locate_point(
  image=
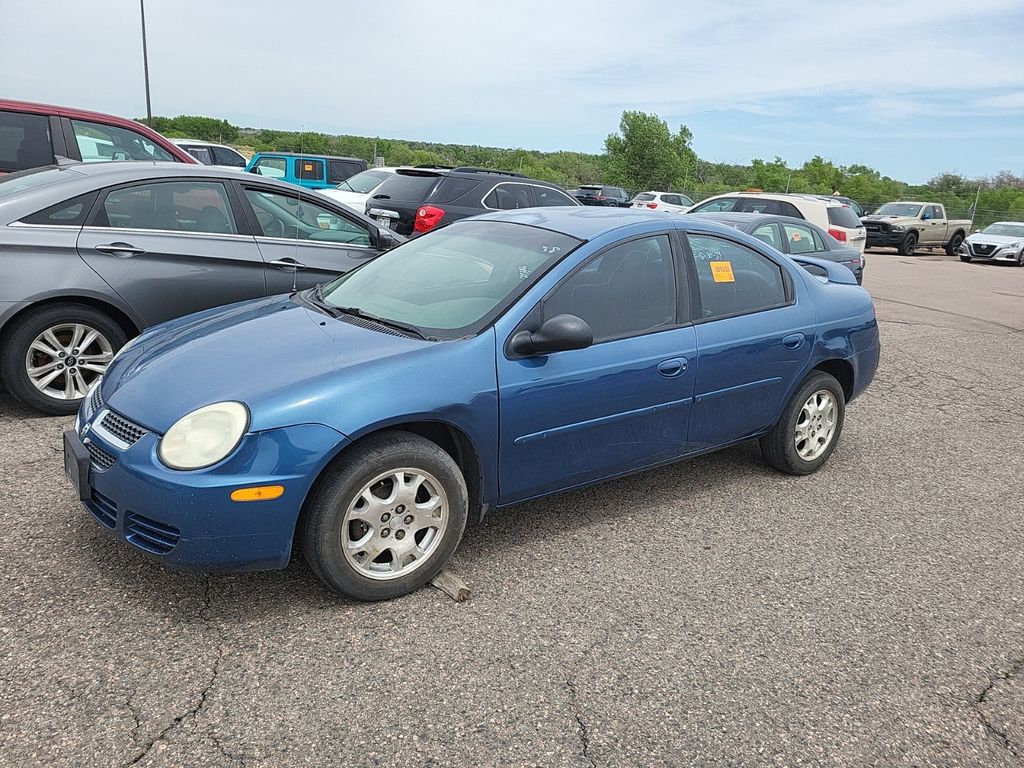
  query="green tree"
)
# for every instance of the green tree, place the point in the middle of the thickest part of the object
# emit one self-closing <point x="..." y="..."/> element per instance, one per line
<point x="644" y="154"/>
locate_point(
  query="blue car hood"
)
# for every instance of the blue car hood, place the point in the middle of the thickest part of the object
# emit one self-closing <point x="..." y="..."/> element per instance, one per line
<point x="270" y="354"/>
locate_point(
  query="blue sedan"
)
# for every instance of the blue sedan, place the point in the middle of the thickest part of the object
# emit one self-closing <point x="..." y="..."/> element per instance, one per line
<point x="502" y="358"/>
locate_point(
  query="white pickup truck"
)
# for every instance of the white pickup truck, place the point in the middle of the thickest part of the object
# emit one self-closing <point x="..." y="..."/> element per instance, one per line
<point x="907" y="226"/>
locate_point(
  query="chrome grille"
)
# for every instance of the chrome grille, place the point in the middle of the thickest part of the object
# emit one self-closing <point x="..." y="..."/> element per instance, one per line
<point x="121" y="428"/>
<point x="146" y="533"/>
<point x="983" y="249"/>
<point x="101" y="460"/>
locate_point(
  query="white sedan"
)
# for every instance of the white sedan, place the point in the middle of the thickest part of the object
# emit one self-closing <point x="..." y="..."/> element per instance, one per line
<point x="355" y="190"/>
<point x="669" y="202"/>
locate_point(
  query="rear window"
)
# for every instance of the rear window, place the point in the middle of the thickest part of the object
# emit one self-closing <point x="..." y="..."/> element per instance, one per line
<point x="643" y="197"/>
<point x="24" y="141"/>
<point x="588" y="191"/>
<point x="841" y="216"/>
<point x="407" y="187"/>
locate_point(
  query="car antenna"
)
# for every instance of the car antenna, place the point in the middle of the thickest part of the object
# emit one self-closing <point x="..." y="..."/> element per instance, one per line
<point x="298" y="212"/>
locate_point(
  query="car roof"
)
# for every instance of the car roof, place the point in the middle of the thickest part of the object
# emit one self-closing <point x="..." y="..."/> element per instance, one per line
<point x="198" y="143"/>
<point x="309" y="155"/>
<point x="734" y="218"/>
<point x="582" y="222"/>
<point x="56" y="109"/>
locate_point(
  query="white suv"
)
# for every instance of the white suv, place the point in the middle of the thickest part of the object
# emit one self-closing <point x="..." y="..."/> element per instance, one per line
<point x="208" y="153"/>
<point x="670" y="202"/>
<point x="839" y="220"/>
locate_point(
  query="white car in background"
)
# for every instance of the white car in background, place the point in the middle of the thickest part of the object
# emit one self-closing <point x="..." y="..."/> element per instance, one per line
<point x="837" y="219"/>
<point x="355" y="190"/>
<point x="669" y="202"/>
<point x="1001" y="241"/>
<point x="208" y="153"/>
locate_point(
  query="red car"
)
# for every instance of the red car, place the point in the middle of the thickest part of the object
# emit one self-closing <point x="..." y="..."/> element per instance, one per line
<point x="32" y="135"/>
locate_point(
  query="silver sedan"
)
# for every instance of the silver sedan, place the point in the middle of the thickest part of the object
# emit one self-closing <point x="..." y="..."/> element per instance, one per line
<point x="1002" y="241"/>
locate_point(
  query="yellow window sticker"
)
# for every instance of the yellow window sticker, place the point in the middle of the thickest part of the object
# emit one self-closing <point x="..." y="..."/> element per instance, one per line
<point x="721" y="272"/>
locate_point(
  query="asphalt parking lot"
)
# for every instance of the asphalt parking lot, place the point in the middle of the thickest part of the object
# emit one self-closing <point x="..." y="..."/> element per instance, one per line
<point x="711" y="613"/>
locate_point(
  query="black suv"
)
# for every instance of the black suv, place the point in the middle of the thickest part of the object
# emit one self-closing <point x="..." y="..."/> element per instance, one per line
<point x="417" y="200"/>
<point x="596" y="194"/>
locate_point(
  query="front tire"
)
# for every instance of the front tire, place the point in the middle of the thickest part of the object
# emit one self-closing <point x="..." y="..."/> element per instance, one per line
<point x="55" y="353"/>
<point x="386" y="518"/>
<point x="954" y="245"/>
<point x="908" y="245"/>
<point x="809" y="428"/>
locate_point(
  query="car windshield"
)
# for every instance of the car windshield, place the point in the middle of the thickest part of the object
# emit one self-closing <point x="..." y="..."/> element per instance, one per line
<point x="899" y="209"/>
<point x="364" y="182"/>
<point x="34" y="177"/>
<point x="452" y="282"/>
<point x="1005" y="229"/>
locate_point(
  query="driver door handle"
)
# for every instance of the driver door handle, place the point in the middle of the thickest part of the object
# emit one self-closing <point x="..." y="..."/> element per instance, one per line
<point x="123" y="250"/>
<point x="287" y="264"/>
<point x="793" y="341"/>
<point x="672" y="367"/>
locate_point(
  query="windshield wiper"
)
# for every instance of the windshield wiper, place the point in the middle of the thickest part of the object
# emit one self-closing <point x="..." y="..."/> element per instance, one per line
<point x="357" y="312"/>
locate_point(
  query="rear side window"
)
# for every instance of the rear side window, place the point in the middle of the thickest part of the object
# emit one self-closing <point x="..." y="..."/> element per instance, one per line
<point x="734" y="279"/>
<point x="406" y="187"/>
<point x="507" y="197"/>
<point x="841" y="216"/>
<point x="24" y="141"/>
<point x="452" y="188"/>
<point x="202" y="154"/>
<point x="99" y="143"/>
<point x="800" y="239"/>
<point x="225" y="156"/>
<point x="175" y="206"/>
<point x="70" y="213"/>
<point x="716" y="206"/>
<point x="788" y="209"/>
<point x="309" y="170"/>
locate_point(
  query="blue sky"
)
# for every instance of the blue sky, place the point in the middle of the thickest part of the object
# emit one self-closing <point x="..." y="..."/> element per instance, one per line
<point x="910" y="88"/>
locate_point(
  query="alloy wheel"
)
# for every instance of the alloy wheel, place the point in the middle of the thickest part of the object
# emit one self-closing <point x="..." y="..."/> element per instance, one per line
<point x="63" y="361"/>
<point x="395" y="523"/>
<point x="816" y="425"/>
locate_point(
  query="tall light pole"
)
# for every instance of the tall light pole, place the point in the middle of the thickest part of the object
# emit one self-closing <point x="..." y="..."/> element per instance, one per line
<point x="145" y="64"/>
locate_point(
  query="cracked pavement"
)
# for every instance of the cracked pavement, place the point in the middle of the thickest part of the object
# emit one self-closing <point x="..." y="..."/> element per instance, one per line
<point x="709" y="613"/>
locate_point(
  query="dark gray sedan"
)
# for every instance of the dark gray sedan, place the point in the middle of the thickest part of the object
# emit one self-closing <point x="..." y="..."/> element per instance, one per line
<point x="793" y="236"/>
<point x="91" y="254"/>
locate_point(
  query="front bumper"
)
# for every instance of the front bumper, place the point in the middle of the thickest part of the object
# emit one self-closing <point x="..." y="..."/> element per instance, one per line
<point x="992" y="253"/>
<point x="187" y="519"/>
<point x="885" y="239"/>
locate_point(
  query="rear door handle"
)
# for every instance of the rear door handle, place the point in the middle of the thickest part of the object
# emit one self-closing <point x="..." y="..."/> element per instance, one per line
<point x="123" y="250"/>
<point x="793" y="341"/>
<point x="287" y="264"/>
<point x="672" y="367"/>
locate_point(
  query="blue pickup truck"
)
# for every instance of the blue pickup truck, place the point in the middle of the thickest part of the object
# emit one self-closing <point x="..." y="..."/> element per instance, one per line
<point x="310" y="171"/>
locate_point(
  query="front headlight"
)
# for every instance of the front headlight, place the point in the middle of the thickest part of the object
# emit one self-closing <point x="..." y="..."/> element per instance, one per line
<point x="898" y="228"/>
<point x="205" y="436"/>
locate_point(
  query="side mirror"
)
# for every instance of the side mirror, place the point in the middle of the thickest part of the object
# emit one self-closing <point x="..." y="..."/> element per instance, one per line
<point x="556" y="334"/>
<point x="386" y="238"/>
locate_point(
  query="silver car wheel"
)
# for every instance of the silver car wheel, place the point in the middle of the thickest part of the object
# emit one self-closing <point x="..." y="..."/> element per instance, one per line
<point x="395" y="523"/>
<point x="63" y="361"/>
<point x="816" y="425"/>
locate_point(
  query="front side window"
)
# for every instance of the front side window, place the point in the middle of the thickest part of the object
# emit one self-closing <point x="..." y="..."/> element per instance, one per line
<point x="937" y="212"/>
<point x="24" y="141"/>
<point x="171" y="206"/>
<point x="454" y="281"/>
<point x="627" y="290"/>
<point x="734" y="279"/>
<point x="100" y="143"/>
<point x="271" y="167"/>
<point x="309" y="170"/>
<point x="297" y="218"/>
<point x="551" y="197"/>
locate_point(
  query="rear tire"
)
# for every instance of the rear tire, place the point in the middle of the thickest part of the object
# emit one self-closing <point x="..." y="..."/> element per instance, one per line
<point x="385" y="519"/>
<point x="43" y="340"/>
<point x="954" y="245"/>
<point x="809" y="428"/>
<point x="908" y="245"/>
